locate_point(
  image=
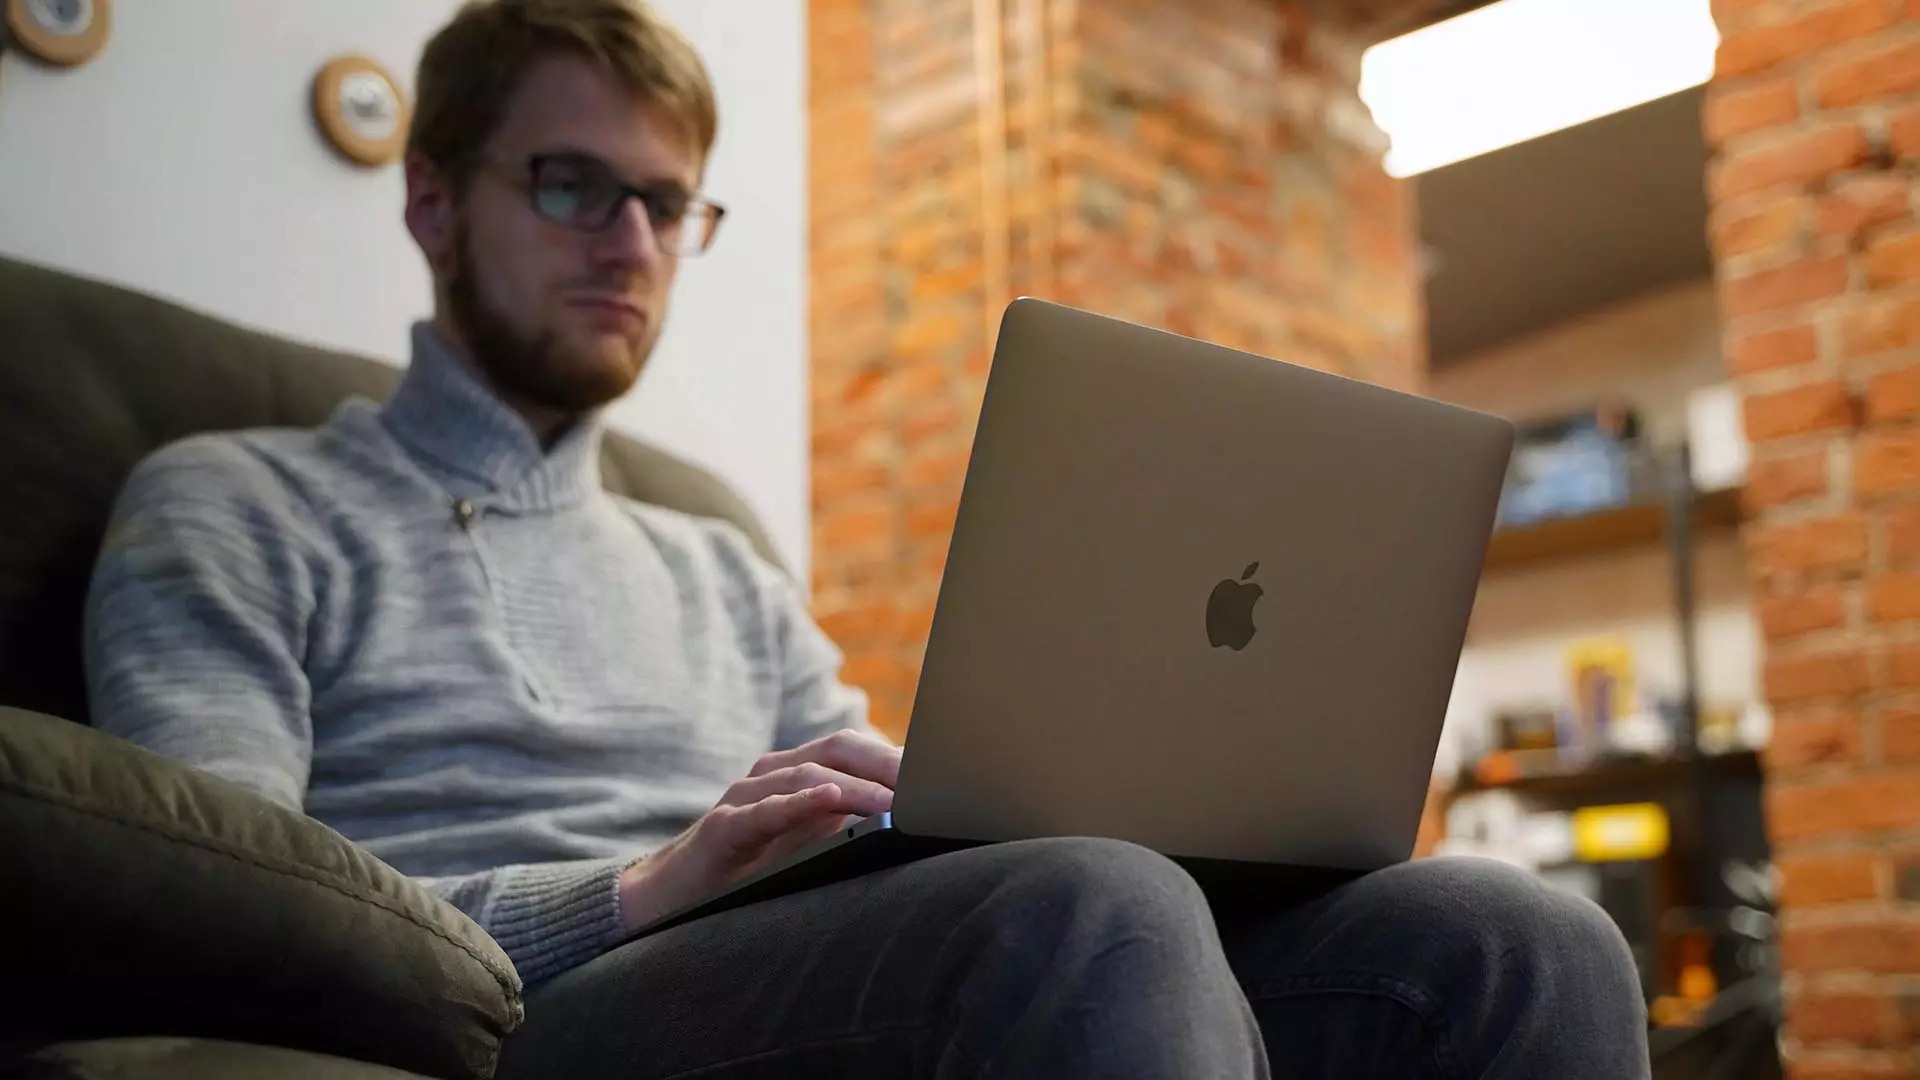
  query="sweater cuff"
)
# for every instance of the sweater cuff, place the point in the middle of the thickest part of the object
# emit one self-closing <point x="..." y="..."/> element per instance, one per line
<point x="554" y="916"/>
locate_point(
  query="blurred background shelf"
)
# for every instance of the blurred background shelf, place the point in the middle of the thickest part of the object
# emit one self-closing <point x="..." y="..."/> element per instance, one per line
<point x="1606" y="779"/>
<point x="1618" y="529"/>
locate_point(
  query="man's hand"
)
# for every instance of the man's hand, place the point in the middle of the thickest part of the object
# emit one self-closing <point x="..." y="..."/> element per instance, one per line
<point x="792" y="798"/>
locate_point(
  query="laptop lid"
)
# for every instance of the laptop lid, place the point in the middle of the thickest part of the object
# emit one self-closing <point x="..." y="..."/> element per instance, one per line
<point x="1197" y="599"/>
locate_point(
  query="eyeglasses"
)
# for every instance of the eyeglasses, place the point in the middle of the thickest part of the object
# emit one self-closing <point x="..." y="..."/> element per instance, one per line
<point x="582" y="192"/>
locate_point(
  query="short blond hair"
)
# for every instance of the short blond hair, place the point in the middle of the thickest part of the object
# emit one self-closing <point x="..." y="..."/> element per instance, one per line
<point x="470" y="69"/>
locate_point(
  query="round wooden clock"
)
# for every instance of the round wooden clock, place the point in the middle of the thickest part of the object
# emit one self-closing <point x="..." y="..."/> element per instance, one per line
<point x="63" y="32"/>
<point x="361" y="110"/>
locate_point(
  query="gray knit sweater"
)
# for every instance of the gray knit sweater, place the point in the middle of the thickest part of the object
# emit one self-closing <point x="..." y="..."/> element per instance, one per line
<point x="453" y="648"/>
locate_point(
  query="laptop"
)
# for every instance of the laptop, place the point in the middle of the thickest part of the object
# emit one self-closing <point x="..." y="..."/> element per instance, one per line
<point x="1196" y="599"/>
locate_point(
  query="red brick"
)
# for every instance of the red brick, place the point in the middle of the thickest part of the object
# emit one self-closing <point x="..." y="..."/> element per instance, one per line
<point x="925" y="420"/>
<point x="1795" y="283"/>
<point x="846" y="312"/>
<point x="878" y="670"/>
<point x="1857" y="804"/>
<point x="1790" y="615"/>
<point x="939" y="471"/>
<point x="1851" y="1067"/>
<point x="925" y="336"/>
<point x="1803" y="410"/>
<point x="1884" y="325"/>
<point x="1779" y="480"/>
<point x="948" y="283"/>
<point x="916" y="377"/>
<point x="1859" y="203"/>
<point x="1900" y="734"/>
<point x="1816" y="880"/>
<point x="1821" y="739"/>
<point x="1771" y="349"/>
<point x="1858" y="1019"/>
<point x="1901" y="667"/>
<point x="1731" y="112"/>
<point x="1893" y="395"/>
<point x="835" y="437"/>
<point x="1902" y="532"/>
<point x="1886" y="462"/>
<point x="1893" y="598"/>
<point x="855" y="626"/>
<point x="915" y="623"/>
<point x="930" y="556"/>
<point x="1746" y="52"/>
<point x="935" y="519"/>
<point x="1797" y="161"/>
<point x="1875" y="76"/>
<point x="1891" y="260"/>
<point x="1761" y="48"/>
<point x="1729" y="13"/>
<point x="1835" y="543"/>
<point x="1903" y="132"/>
<point x="889" y="711"/>
<point x="1884" y="947"/>
<point x="1906" y="877"/>
<point x="853" y="528"/>
<point x="1790" y="679"/>
<point x="1771" y="225"/>
<point x="851" y="479"/>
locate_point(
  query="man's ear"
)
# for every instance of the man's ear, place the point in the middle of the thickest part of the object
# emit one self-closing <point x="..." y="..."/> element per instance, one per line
<point x="431" y="211"/>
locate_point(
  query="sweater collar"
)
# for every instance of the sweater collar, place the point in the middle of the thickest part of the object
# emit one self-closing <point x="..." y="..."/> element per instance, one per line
<point x="455" y="428"/>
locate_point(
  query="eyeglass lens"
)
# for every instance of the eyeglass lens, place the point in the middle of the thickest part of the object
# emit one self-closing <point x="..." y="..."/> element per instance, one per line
<point x="583" y="193"/>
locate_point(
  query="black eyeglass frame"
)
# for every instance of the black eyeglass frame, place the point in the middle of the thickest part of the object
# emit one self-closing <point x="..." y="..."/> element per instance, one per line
<point x="531" y="166"/>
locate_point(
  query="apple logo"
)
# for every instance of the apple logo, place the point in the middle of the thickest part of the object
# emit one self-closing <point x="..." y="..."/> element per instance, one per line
<point x="1230" y="611"/>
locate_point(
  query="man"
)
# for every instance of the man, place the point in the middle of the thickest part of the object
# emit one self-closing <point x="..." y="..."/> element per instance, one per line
<point x="425" y="625"/>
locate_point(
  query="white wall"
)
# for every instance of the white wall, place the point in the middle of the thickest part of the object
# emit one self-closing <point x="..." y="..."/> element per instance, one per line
<point x="183" y="161"/>
<point x="1652" y="351"/>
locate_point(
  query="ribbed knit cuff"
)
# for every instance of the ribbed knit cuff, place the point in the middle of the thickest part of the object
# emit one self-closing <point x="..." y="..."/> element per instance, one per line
<point x="554" y="916"/>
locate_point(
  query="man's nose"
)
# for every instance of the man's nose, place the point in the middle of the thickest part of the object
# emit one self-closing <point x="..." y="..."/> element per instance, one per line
<point x="629" y="239"/>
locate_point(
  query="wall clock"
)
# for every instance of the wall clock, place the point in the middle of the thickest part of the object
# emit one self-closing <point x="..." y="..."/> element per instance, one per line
<point x="63" y="32"/>
<point x="361" y="110"/>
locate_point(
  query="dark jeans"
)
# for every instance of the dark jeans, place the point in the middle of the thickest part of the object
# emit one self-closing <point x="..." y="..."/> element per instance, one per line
<point x="1082" y="958"/>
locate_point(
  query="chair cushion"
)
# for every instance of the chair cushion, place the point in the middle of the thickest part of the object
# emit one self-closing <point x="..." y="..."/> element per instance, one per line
<point x="93" y="377"/>
<point x="141" y="895"/>
<point x="162" y="1058"/>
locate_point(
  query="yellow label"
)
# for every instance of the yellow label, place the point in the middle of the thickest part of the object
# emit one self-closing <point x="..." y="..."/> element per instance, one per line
<point x="1632" y="832"/>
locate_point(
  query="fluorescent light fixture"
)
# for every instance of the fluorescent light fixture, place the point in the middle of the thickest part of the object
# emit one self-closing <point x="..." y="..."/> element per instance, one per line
<point x="1518" y="69"/>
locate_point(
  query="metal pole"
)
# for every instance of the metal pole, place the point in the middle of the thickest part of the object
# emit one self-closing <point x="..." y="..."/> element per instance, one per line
<point x="1710" y="848"/>
<point x="1680" y="557"/>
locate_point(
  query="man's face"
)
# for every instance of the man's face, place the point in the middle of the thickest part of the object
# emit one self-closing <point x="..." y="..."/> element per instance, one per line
<point x="558" y="317"/>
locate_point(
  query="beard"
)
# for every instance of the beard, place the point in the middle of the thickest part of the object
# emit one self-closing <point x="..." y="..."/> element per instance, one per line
<point x="535" y="369"/>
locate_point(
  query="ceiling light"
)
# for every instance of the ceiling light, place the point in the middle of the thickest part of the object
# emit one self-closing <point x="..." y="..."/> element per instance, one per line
<point x="1519" y="69"/>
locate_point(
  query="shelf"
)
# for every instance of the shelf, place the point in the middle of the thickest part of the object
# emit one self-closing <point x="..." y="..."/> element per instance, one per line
<point x="1611" y="776"/>
<point x="1618" y="529"/>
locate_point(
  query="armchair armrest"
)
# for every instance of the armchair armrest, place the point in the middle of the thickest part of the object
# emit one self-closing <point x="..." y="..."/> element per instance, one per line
<point x="141" y="896"/>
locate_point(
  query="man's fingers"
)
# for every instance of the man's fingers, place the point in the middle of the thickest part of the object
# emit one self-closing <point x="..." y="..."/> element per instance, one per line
<point x="745" y="831"/>
<point x="860" y="796"/>
<point x="741" y="834"/>
<point x="867" y="757"/>
<point x="795" y="797"/>
<point x="803" y="835"/>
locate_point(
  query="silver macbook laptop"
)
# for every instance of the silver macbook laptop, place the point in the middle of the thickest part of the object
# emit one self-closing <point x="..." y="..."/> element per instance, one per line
<point x="1196" y="599"/>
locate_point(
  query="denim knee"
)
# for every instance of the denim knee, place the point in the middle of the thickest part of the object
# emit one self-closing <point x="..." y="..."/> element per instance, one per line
<point x="1513" y="930"/>
<point x="1089" y="884"/>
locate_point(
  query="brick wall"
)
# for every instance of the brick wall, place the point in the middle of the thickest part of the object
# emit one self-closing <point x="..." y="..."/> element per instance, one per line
<point x="1204" y="166"/>
<point x="1229" y="186"/>
<point x="899" y="284"/>
<point x="1815" y="116"/>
